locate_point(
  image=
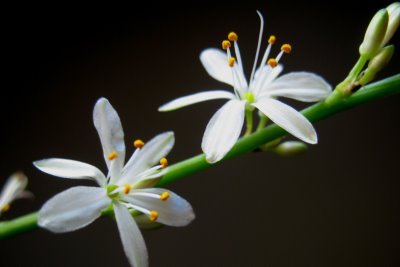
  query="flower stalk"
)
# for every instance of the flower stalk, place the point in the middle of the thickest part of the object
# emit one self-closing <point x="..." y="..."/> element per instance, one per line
<point x="180" y="170"/>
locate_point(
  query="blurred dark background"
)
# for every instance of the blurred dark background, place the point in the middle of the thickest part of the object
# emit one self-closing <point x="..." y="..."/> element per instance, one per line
<point x="337" y="205"/>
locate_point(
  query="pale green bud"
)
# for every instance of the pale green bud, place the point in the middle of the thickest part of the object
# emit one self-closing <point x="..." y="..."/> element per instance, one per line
<point x="375" y="34"/>
<point x="377" y="63"/>
<point x="290" y="148"/>
<point x="394" y="21"/>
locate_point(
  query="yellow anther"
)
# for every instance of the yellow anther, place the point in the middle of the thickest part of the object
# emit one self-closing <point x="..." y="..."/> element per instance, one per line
<point x="287" y="48"/>
<point x="112" y="155"/>
<point x="226" y="44"/>
<point x="164" y="162"/>
<point x="272" y="62"/>
<point x="138" y="143"/>
<point x="164" y="196"/>
<point x="6" y="207"/>
<point x="127" y="188"/>
<point x="153" y="215"/>
<point x="232" y="36"/>
<point x="272" y="39"/>
<point x="231" y="62"/>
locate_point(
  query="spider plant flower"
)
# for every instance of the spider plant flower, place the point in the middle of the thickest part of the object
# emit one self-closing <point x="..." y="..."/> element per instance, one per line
<point x="259" y="92"/>
<point x="125" y="187"/>
<point x="12" y="190"/>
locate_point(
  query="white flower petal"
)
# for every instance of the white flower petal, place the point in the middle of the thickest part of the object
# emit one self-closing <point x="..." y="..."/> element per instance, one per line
<point x="132" y="240"/>
<point x="263" y="79"/>
<point x="174" y="211"/>
<point x="73" y="209"/>
<point x="14" y="187"/>
<point x="223" y="130"/>
<point x="288" y="118"/>
<point x="215" y="62"/>
<point x="71" y="169"/>
<point x="195" y="98"/>
<point x="303" y="86"/>
<point x="109" y="128"/>
<point x="147" y="157"/>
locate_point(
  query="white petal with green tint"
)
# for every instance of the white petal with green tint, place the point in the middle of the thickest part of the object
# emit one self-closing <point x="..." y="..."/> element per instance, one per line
<point x="288" y="118"/>
<point x="73" y="209"/>
<point x="196" y="98"/>
<point x="132" y="239"/>
<point x="147" y="157"/>
<point x="216" y="64"/>
<point x="303" y="86"/>
<point x="223" y="130"/>
<point x="109" y="128"/>
<point x="72" y="169"/>
<point x="172" y="211"/>
<point x="12" y="189"/>
<point x="263" y="79"/>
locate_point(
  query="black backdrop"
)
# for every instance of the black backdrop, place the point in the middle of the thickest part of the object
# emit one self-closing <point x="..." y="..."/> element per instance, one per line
<point x="337" y="205"/>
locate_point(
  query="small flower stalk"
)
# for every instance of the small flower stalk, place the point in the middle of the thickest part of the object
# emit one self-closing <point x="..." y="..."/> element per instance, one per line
<point x="260" y="92"/>
<point x="126" y="188"/>
<point x="13" y="189"/>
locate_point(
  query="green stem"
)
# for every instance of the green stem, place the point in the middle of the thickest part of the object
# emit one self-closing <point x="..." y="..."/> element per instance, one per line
<point x="319" y="111"/>
<point x="261" y="124"/>
<point x="249" y="122"/>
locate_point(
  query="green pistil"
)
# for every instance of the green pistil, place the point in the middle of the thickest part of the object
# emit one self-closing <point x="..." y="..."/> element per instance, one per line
<point x="249" y="96"/>
<point x="110" y="189"/>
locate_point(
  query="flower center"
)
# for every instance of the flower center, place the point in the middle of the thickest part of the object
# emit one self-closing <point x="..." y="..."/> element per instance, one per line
<point x="110" y="189"/>
<point x="249" y="96"/>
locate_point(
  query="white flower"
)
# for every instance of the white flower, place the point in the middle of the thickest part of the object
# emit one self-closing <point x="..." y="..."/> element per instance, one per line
<point x="12" y="190"/>
<point x="260" y="92"/>
<point x="123" y="187"/>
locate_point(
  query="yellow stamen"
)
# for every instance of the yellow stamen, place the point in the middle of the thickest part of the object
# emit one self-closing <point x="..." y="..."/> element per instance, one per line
<point x="6" y="207"/>
<point x="272" y="39"/>
<point x="127" y="188"/>
<point x="138" y="143"/>
<point x="232" y="36"/>
<point x="164" y="196"/>
<point x="112" y="155"/>
<point x="226" y="44"/>
<point x="153" y="215"/>
<point x="287" y="48"/>
<point x="164" y="162"/>
<point x="231" y="62"/>
<point x="272" y="62"/>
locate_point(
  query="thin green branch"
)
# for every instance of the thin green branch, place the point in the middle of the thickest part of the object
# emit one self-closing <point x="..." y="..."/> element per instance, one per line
<point x="319" y="111"/>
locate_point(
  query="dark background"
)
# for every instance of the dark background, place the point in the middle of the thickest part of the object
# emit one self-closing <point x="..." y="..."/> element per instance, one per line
<point x="337" y="205"/>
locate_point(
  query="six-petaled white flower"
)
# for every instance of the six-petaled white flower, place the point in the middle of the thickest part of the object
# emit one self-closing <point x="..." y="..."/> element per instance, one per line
<point x="12" y="190"/>
<point x="123" y="187"/>
<point x="260" y="92"/>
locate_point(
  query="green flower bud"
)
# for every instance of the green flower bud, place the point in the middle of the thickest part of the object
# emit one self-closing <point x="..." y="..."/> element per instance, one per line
<point x="290" y="148"/>
<point x="375" y="34"/>
<point x="377" y="63"/>
<point x="394" y="21"/>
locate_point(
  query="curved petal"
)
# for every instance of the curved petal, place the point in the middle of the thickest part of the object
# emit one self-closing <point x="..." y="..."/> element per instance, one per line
<point x="132" y="240"/>
<point x="72" y="169"/>
<point x="147" y="157"/>
<point x="174" y="211"/>
<point x="195" y="98"/>
<point x="216" y="64"/>
<point x="303" y="86"/>
<point x="73" y="209"/>
<point x="109" y="128"/>
<point x="288" y="118"/>
<point x="12" y="189"/>
<point x="223" y="130"/>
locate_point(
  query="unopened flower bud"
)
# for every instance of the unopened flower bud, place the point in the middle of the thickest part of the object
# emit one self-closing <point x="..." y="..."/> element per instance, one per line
<point x="375" y="34"/>
<point x="394" y="21"/>
<point x="291" y="148"/>
<point x="377" y="63"/>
